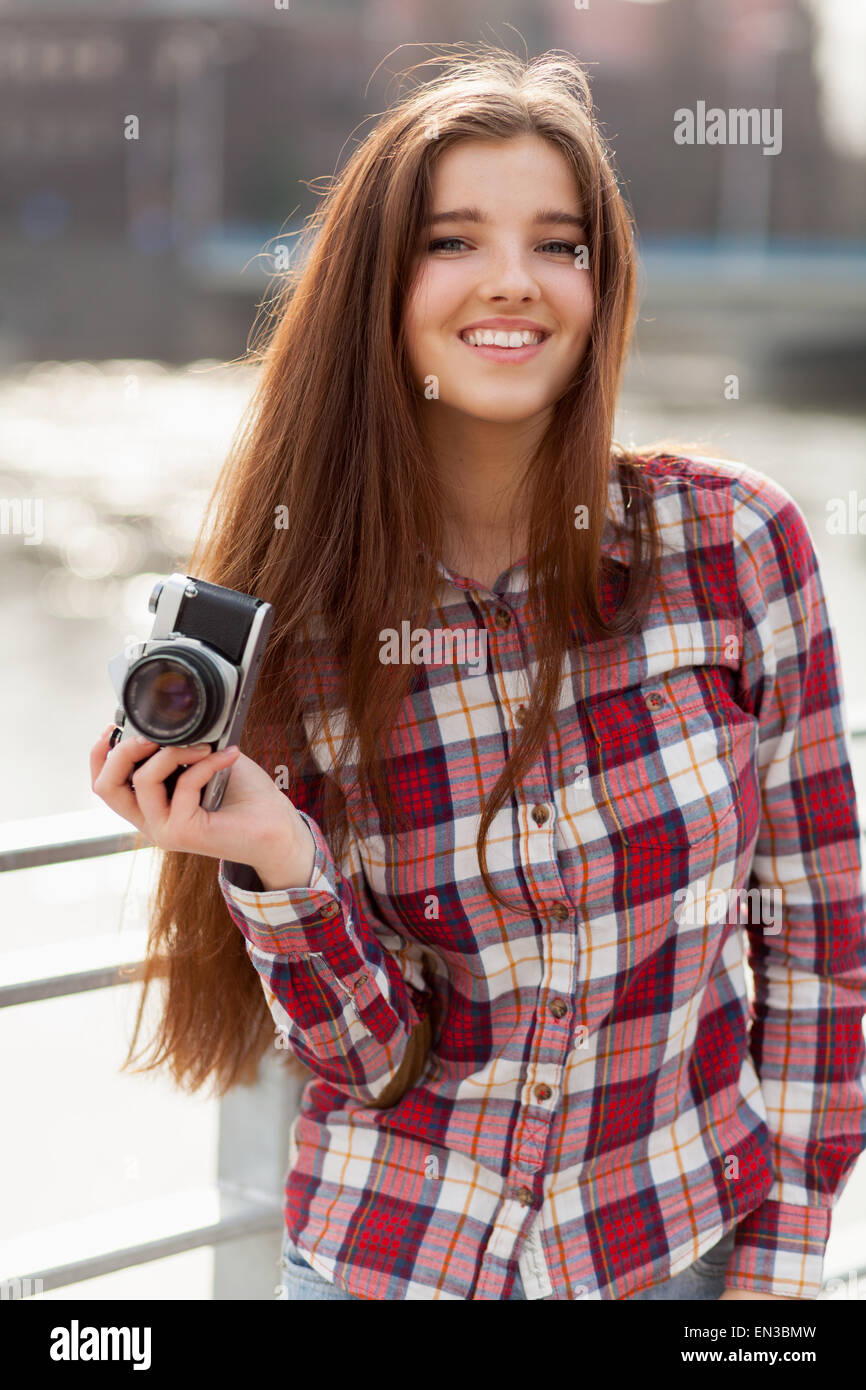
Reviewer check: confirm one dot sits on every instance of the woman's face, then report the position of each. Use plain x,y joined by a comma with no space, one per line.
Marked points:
511,265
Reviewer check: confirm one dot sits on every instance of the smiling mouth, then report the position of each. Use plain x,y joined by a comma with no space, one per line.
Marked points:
503,338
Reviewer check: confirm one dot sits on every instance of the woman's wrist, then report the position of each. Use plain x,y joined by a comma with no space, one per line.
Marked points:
289,862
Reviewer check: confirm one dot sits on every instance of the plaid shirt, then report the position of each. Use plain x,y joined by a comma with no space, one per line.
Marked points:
603,1098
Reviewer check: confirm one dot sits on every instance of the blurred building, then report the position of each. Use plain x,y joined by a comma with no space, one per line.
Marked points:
148,154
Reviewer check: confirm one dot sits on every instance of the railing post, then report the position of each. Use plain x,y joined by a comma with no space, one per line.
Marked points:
252,1161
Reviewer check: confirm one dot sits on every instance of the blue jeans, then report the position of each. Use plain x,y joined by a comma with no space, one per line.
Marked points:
705,1279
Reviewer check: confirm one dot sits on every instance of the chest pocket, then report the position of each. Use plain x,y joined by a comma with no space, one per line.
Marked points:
670,754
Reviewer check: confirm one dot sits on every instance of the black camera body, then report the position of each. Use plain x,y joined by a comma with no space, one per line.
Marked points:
193,679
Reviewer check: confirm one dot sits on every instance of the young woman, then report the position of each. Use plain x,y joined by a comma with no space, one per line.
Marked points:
534,706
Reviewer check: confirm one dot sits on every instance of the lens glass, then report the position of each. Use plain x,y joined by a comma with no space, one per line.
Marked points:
165,699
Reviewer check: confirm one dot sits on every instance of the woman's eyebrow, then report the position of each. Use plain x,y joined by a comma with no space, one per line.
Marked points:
545,217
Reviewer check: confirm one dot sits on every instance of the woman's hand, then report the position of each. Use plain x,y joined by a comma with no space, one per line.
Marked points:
256,823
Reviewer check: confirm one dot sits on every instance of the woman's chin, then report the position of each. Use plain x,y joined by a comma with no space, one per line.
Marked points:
505,410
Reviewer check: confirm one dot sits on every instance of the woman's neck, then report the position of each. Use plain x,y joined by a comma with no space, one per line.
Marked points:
481,466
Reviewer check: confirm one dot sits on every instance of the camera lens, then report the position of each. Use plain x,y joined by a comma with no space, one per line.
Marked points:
172,697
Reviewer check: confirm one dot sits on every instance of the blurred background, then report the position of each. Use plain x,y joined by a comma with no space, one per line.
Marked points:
155,160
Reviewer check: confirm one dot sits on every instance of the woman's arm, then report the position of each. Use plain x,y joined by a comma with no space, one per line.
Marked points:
806,1035
347,993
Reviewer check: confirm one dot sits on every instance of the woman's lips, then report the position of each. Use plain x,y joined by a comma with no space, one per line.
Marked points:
500,354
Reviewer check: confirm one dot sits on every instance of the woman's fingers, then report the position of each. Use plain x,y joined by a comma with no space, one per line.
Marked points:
186,797
109,772
148,781
139,794
99,752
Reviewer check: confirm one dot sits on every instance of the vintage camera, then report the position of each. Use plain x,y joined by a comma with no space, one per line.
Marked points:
193,679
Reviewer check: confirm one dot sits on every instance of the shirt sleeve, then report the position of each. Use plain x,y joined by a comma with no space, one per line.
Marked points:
347,994
809,966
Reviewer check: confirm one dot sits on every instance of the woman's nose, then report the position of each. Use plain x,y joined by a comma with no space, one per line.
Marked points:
509,273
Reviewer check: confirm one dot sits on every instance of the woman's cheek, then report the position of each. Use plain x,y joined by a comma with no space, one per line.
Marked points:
577,299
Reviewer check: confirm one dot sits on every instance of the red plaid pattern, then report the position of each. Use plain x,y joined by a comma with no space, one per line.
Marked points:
645,1057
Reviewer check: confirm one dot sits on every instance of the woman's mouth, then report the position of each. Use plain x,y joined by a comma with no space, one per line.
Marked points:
504,345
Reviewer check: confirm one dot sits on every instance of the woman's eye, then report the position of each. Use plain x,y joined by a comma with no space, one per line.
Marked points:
443,241
565,245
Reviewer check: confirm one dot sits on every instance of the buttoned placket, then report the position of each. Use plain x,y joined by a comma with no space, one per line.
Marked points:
519,1212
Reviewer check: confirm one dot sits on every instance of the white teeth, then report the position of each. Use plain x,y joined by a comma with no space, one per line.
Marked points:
489,337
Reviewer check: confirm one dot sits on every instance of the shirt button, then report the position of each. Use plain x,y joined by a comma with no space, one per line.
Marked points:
543,1092
330,909
520,715
558,1008
361,980
540,814
524,1196
502,618
654,700
559,911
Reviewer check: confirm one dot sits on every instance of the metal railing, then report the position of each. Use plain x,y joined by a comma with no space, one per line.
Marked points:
245,1204
253,1121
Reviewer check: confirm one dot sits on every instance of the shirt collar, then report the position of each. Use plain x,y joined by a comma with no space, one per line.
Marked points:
515,575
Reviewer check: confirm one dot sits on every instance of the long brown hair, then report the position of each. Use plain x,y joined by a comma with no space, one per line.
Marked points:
332,435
